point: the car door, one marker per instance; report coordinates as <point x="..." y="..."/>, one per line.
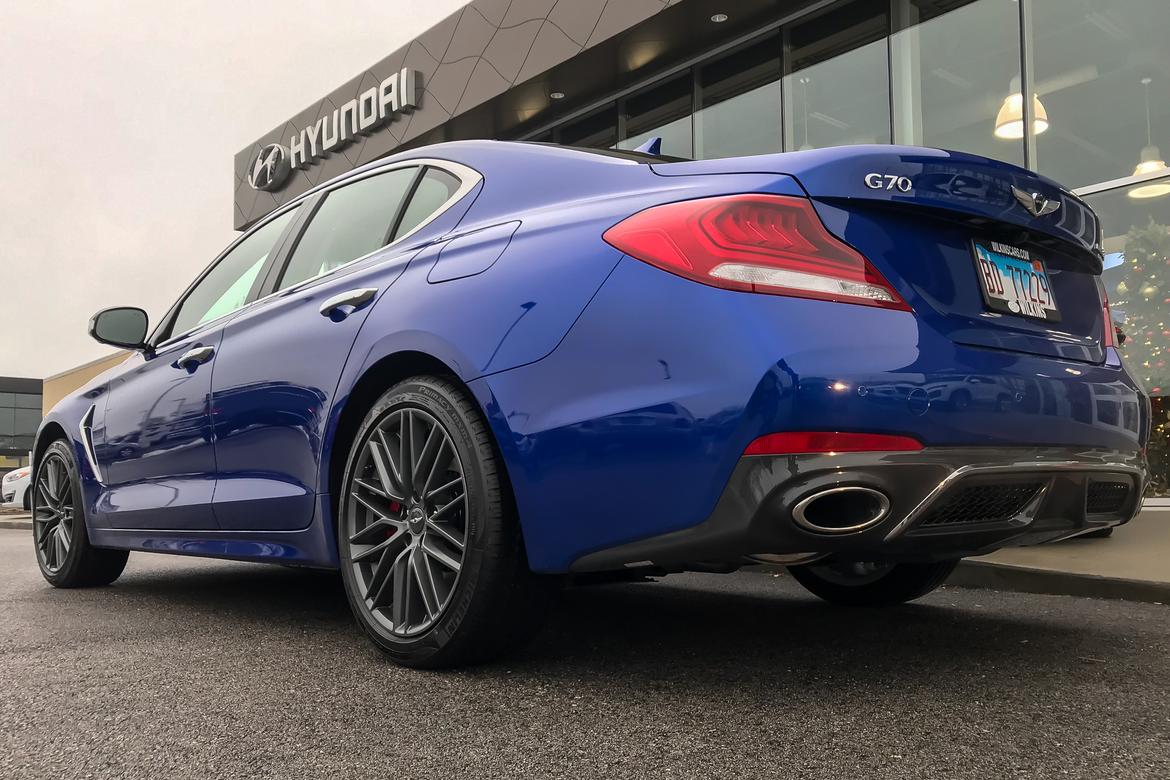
<point x="153" y="441"/>
<point x="274" y="386"/>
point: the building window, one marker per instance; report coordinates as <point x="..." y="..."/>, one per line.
<point x="837" y="84"/>
<point x="663" y="111"/>
<point x="1090" y="62"/>
<point x="1137" y="280"/>
<point x="20" y="416"/>
<point x="739" y="99"/>
<point x="954" y="65"/>
<point x="596" y="131"/>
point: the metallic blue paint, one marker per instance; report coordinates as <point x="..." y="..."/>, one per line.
<point x="621" y="396"/>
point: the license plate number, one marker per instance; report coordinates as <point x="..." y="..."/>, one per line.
<point x="1014" y="282"/>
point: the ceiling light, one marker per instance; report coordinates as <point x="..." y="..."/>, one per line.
<point x="1151" y="160"/>
<point x="556" y="95"/>
<point x="1009" y="122"/>
<point x="719" y="18"/>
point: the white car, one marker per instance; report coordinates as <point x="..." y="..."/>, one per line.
<point x="14" y="488"/>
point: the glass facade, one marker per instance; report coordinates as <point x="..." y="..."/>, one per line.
<point x="953" y="65"/>
<point x="1090" y="59"/>
<point x="1137" y="280"/>
<point x="951" y="74"/>
<point x="20" y="416"/>
<point x="836" y="78"/>
<point x="739" y="103"/>
<point x="664" y="111"/>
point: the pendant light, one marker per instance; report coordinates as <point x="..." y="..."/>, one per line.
<point x="1009" y="122"/>
<point x="1151" y="159"/>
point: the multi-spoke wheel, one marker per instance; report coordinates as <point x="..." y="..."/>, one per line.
<point x="53" y="513"/>
<point x="407" y="520"/>
<point x="65" y="556"/>
<point x="870" y="584"/>
<point x="430" y="547"/>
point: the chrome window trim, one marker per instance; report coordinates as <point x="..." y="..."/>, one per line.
<point x="468" y="179"/>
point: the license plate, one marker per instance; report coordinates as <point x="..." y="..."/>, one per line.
<point x="1014" y="282"/>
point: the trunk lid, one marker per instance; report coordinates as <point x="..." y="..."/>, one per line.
<point x="940" y="226"/>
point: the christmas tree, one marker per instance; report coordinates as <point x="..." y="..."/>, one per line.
<point x="1141" y="301"/>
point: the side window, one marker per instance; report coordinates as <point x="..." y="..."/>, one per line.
<point x="352" y="221"/>
<point x="434" y="189"/>
<point x="225" y="287"/>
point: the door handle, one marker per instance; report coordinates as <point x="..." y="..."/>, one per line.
<point x="344" y="304"/>
<point x="193" y="358"/>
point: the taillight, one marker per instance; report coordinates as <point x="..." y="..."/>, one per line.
<point x="1110" y="337"/>
<point x="756" y="243"/>
<point x="800" y="442"/>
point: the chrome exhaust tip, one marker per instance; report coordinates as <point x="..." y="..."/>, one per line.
<point x="841" y="510"/>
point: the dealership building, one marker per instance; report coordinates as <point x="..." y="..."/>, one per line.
<point x="738" y="77"/>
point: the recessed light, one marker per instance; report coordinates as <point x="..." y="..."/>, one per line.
<point x="719" y="18"/>
<point x="556" y="95"/>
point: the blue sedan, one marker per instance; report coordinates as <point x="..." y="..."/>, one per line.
<point x="469" y="372"/>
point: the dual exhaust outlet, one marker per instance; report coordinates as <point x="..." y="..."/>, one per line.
<point x="841" y="510"/>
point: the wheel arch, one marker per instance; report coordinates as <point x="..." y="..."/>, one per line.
<point x="50" y="431"/>
<point x="379" y="377"/>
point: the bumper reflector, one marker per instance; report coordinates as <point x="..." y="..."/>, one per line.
<point x="801" y="442"/>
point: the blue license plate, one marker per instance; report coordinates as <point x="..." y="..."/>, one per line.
<point x="1014" y="282"/>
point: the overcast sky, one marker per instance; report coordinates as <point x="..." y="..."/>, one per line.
<point x="119" y="123"/>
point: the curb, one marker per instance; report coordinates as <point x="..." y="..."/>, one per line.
<point x="1027" y="579"/>
<point x="21" y="523"/>
<point x="981" y="575"/>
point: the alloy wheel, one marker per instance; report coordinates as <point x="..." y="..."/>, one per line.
<point x="53" y="526"/>
<point x="406" y="521"/>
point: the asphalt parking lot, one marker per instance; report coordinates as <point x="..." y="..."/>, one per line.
<point x="195" y="669"/>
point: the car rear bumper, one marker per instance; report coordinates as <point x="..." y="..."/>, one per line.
<point x="942" y="502"/>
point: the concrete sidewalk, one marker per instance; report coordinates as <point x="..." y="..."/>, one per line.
<point x="17" y="520"/>
<point x="1133" y="564"/>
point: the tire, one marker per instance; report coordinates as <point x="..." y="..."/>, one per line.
<point x="64" y="555"/>
<point x="422" y="611"/>
<point x="27" y="500"/>
<point x="881" y="586"/>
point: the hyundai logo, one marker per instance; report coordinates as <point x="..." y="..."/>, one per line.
<point x="269" y="168"/>
<point x="1036" y="204"/>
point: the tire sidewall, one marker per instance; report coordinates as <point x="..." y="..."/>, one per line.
<point x="901" y="583"/>
<point x="79" y="541"/>
<point x="420" y="394"/>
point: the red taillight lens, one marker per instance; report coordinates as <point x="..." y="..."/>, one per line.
<point x="757" y="243"/>
<point x="1110" y="337"/>
<point x="801" y="442"/>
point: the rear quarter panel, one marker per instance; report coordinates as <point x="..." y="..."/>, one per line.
<point x="519" y="308"/>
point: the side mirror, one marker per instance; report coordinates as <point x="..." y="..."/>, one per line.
<point x="122" y="326"/>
